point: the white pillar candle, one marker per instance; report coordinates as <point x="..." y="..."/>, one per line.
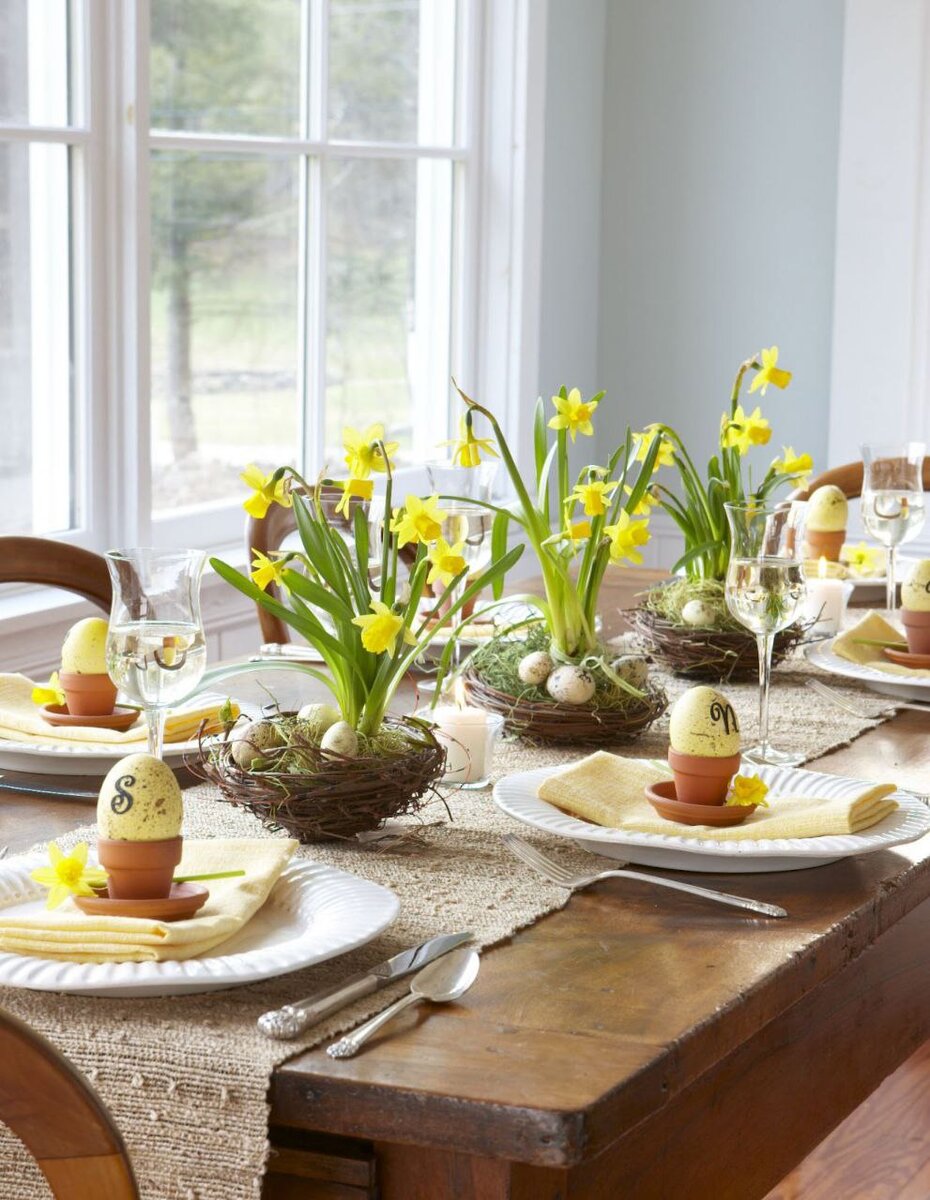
<point x="465" y="734"/>
<point x="825" y="602"/>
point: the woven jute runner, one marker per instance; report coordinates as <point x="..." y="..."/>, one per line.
<point x="186" y="1078"/>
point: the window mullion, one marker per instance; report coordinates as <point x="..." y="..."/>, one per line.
<point x="313" y="220"/>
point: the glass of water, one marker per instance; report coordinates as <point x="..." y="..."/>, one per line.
<point x="893" y="500"/>
<point x="765" y="588"/>
<point x="156" y="650"/>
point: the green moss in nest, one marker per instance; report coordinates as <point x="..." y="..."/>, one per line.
<point x="668" y="599"/>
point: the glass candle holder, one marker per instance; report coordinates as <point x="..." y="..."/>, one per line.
<point x="469" y="736"/>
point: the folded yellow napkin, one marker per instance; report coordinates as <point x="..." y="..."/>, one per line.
<point x="21" y="720"/>
<point x="68" y="934"/>
<point x="875" y="628"/>
<point x="608" y="790"/>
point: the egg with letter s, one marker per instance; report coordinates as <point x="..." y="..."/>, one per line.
<point x="704" y="723"/>
<point x="915" y="591"/>
<point x="140" y="801"/>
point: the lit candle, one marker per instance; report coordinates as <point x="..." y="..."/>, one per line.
<point x="825" y="602"/>
<point x="468" y="735"/>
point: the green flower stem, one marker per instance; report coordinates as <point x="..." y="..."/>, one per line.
<point x="210" y="875"/>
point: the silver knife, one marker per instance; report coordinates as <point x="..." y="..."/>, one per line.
<point x="293" y="1019"/>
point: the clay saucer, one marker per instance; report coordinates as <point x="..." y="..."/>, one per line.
<point x="661" y="796"/>
<point x="183" y="901"/>
<point x="119" y="719"/>
<point x="904" y="658"/>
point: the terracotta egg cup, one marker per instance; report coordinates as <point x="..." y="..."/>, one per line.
<point x="139" y="870"/>
<point x="917" y="628"/>
<point x="120" y="719"/>
<point x="700" y="779"/>
<point x="88" y="695"/>
<point x="824" y="544"/>
<point x="184" y="900"/>
<point x="662" y="797"/>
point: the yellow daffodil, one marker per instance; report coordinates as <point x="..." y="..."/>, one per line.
<point x="447" y="562"/>
<point x="363" y="452"/>
<point x="861" y="559"/>
<point x="593" y="496"/>
<point x="419" y="520"/>
<point x="769" y="373"/>
<point x="51" y="693"/>
<point x="362" y="489"/>
<point x="744" y="431"/>
<point x="573" y="414"/>
<point x="266" y="570"/>
<point x="266" y="491"/>
<point x="746" y="790"/>
<point x="647" y="502"/>
<point x="381" y="627"/>
<point x="69" y="875"/>
<point x="467" y="449"/>
<point x="575" y="532"/>
<point x="666" y="455"/>
<point x="626" y="537"/>
<point x="798" y="466"/>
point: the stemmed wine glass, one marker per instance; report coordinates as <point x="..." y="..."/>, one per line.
<point x="156" y="649"/>
<point x="469" y="524"/>
<point x="893" y="500"/>
<point x="764" y="590"/>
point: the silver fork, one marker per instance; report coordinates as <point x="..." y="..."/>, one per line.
<point x="891" y="704"/>
<point x="562" y="877"/>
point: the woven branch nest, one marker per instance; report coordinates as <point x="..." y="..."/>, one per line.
<point x="717" y="655"/>
<point x="337" y="797"/>
<point x="547" y="721"/>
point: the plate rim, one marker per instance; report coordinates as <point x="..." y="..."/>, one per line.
<point x="820" y="654"/>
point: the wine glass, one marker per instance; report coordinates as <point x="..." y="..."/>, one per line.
<point x="474" y="483"/>
<point x="156" y="649"/>
<point x="764" y="590"/>
<point x="893" y="500"/>
<point x="469" y="524"/>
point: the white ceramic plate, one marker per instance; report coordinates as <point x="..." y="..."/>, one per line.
<point x="78" y="758"/>
<point x="821" y="655"/>
<point x="516" y="795"/>
<point x="313" y="913"/>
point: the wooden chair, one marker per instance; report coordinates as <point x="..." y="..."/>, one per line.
<point x="848" y="479"/>
<point x="60" y="1119"/>
<point x="56" y="564"/>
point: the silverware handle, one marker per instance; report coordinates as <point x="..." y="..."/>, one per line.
<point x="291" y="1020"/>
<point x="678" y="885"/>
<point x="353" y="1042"/>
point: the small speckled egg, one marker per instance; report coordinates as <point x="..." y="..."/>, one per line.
<point x="915" y="591"/>
<point x="632" y="669"/>
<point x="699" y="614"/>
<point x="535" y="668"/>
<point x="827" y="509"/>
<point x="704" y="723"/>
<point x="319" y="717"/>
<point x="249" y="743"/>
<point x="140" y="801"/>
<point x="570" y="685"/>
<point x="342" y="739"/>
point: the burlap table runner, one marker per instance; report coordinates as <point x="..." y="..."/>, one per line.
<point x="186" y="1077"/>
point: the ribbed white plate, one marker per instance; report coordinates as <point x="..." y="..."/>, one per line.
<point x="516" y="795"/>
<point x="78" y="758"/>
<point x="821" y="655"/>
<point x="313" y="913"/>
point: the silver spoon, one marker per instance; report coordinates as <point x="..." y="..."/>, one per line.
<point x="445" y="979"/>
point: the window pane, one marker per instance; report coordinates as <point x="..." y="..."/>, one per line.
<point x="392" y="70"/>
<point x="224" y="323"/>
<point x="35" y="336"/>
<point x="388" y="300"/>
<point x="226" y="66"/>
<point x="34" y="61"/>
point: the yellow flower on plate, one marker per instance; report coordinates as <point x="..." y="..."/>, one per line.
<point x="447" y="562"/>
<point x="68" y="875"/>
<point x="266" y="570"/>
<point x="467" y="450"/>
<point x="666" y="455"/>
<point x="626" y="537"/>
<point x="573" y="414"/>
<point x="864" y="560"/>
<point x="363" y="452"/>
<point x="51" y="693"/>
<point x="798" y="466"/>
<point x="419" y="520"/>
<point x="593" y="496"/>
<point x="744" y="431"/>
<point x="380" y="628"/>
<point x="362" y="489"/>
<point x="266" y="490"/>
<point x="769" y="372"/>
<point x="746" y="790"/>
<point x="646" y="504"/>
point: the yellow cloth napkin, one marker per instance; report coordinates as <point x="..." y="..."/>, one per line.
<point x="68" y="934"/>
<point x="608" y="790"/>
<point x="21" y="720"/>
<point x="875" y="627"/>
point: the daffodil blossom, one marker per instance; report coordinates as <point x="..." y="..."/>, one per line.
<point x="666" y="455"/>
<point x="769" y="373"/>
<point x="626" y="537"/>
<point x="575" y="532"/>
<point x="467" y="450"/>
<point x="744" y="431"/>
<point x="746" y="790"/>
<point x="593" y="495"/>
<point x="419" y="520"/>
<point x="864" y="560"/>
<point x="447" y="562"/>
<point x="798" y="466"/>
<point x="68" y="875"/>
<point x="51" y="693"/>
<point x="647" y="502"/>
<point x="573" y="414"/>
<point x="267" y="570"/>
<point x="266" y="491"/>
<point x="381" y="627"/>
<point x="363" y="450"/>
<point x="362" y="489"/>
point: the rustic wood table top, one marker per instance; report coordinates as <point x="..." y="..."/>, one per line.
<point x="636" y="1043"/>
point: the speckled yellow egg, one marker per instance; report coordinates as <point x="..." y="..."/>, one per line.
<point x="342" y="739"/>
<point x="140" y="801"/>
<point x="827" y="510"/>
<point x="704" y="722"/>
<point x="83" y="651"/>
<point x="915" y="591"/>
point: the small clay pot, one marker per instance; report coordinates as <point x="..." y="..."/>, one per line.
<point x="917" y="627"/>
<point x="88" y="695"/>
<point x="139" y="870"/>
<point x="702" y="780"/>
<point x="821" y="544"/>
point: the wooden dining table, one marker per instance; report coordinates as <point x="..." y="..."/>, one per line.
<point x="636" y="1043"/>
